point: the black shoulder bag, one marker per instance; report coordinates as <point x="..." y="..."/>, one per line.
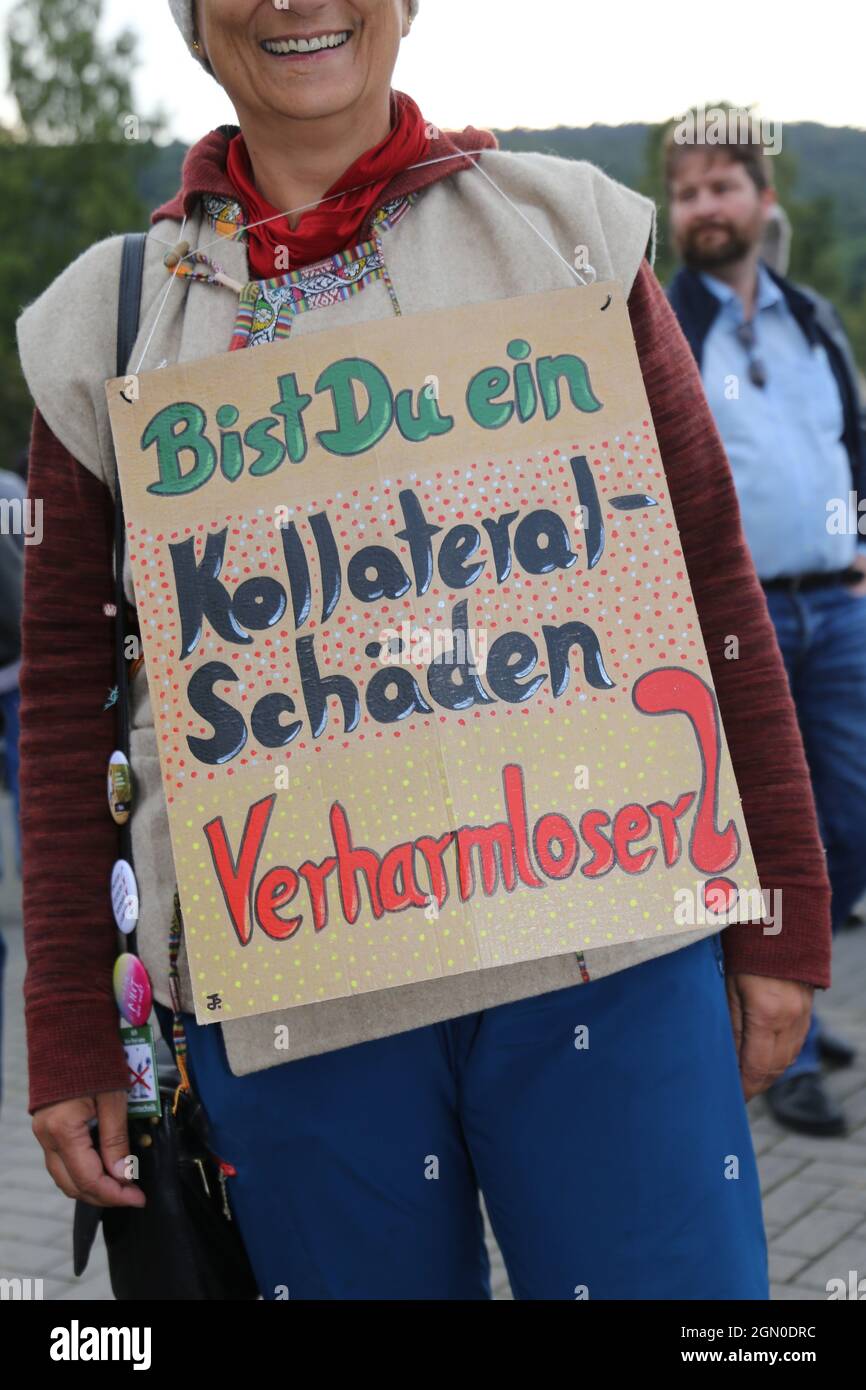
<point x="183" y="1244"/>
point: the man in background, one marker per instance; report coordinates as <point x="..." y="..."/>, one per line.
<point x="781" y="381"/>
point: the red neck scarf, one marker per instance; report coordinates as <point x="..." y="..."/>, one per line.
<point x="337" y="223"/>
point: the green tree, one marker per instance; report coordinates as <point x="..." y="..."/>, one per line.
<point x="70" y="86"/>
<point x="70" y="165"/>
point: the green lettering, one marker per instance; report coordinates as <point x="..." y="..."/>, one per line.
<point x="173" y="430"/>
<point x="231" y="447"/>
<point x="355" y="433"/>
<point x="271" y="451"/>
<point x="427" y="421"/>
<point x="550" y="369"/>
<point x="483" y="389"/>
<point x="291" y="407"/>
<point x="524" y="385"/>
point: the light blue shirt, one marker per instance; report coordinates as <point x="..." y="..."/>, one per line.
<point x="783" y="440"/>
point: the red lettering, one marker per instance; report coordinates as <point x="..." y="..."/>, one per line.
<point x="352" y="861"/>
<point x="667" y="817"/>
<point x="631" y="824"/>
<point x="550" y="830"/>
<point x="602" y="850"/>
<point x="487" y="839"/>
<point x="677" y="691"/>
<point x="515" y="810"/>
<point x="433" y="851"/>
<point x="400" y="862"/>
<point x="277" y="888"/>
<point x="235" y="879"/>
<point x="314" y="875"/>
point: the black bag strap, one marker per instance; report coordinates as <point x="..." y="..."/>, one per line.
<point x="129" y="297"/>
<point x="128" y="316"/>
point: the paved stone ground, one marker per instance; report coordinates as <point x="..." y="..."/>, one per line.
<point x="814" y="1189"/>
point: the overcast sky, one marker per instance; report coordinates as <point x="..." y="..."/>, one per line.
<point x="546" y="62"/>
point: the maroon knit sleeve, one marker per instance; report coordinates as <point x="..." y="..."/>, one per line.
<point x="753" y="693"/>
<point x="69" y="841"/>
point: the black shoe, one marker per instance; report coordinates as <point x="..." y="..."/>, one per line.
<point x="803" y="1104"/>
<point x="835" y="1051"/>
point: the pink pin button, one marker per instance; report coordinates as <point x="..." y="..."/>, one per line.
<point x="132" y="992"/>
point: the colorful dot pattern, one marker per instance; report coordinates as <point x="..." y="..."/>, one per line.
<point x="424" y="775"/>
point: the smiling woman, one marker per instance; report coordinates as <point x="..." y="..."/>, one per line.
<point x="391" y="216"/>
<point x="304" y="60"/>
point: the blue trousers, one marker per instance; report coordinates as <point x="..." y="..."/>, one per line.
<point x="619" y="1169"/>
<point x="822" y="636"/>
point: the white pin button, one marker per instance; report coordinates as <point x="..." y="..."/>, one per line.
<point x="124" y="896"/>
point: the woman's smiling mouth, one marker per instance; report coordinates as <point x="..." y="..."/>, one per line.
<point x="308" y="45"/>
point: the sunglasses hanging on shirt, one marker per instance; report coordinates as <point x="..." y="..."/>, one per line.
<point x="747" y="340"/>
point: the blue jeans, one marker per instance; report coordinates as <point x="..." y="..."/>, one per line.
<point x="624" y="1168"/>
<point x="822" y="636"/>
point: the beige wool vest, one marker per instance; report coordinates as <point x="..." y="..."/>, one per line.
<point x="460" y="244"/>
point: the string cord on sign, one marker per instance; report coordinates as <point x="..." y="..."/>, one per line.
<point x="332" y="197"/>
<point x="306" y="207"/>
<point x="161" y="307"/>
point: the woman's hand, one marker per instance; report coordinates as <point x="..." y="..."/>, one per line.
<point x="79" y="1170"/>
<point x="770" y="1019"/>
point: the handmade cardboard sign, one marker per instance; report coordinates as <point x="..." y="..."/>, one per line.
<point x="429" y="686"/>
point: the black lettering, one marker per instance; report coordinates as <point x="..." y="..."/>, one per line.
<point x="389" y="579"/>
<point x="535" y="558"/>
<point x="317" y="689"/>
<point x="388" y="709"/>
<point x="298" y="572"/>
<point x="459" y="545"/>
<point x="329" y="560"/>
<point x="230" y="731"/>
<point x="504" y="672"/>
<point x="500" y="540"/>
<point x="265" y="720"/>
<point x="418" y="533"/>
<point x="453" y="684"/>
<point x="200" y="594"/>
<point x="559" y="641"/>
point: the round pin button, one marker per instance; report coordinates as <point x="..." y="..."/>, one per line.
<point x="124" y="896"/>
<point x="132" y="992"/>
<point x="119" y="787"/>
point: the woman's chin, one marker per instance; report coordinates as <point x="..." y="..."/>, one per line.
<point x="307" y="102"/>
<point x="308" y="89"/>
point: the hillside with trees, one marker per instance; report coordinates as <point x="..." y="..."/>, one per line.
<point x="79" y="166"/>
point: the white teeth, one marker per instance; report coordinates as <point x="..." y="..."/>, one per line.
<point x="306" y="45"/>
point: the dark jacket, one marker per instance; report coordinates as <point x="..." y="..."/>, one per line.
<point x="11" y="575"/>
<point x="696" y="308"/>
